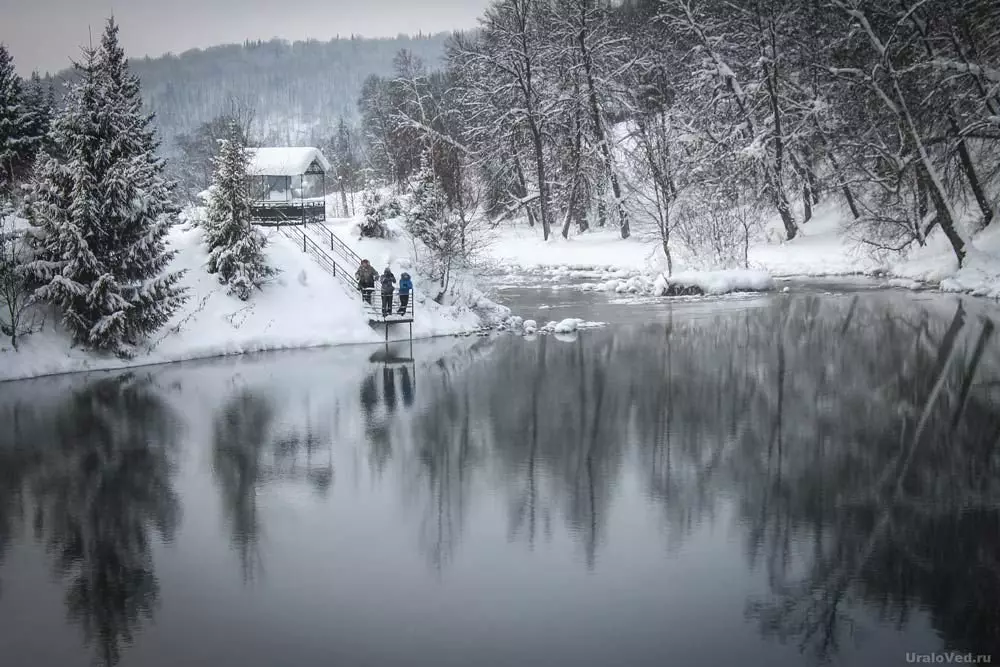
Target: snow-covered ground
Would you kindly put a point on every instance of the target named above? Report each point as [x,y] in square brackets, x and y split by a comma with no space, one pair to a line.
[602,260]
[303,306]
[306,307]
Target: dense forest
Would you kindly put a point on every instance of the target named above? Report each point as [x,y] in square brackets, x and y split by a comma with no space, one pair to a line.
[706,117]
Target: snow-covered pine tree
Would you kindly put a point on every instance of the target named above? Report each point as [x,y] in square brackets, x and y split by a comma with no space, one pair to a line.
[39,103]
[429,221]
[236,247]
[11,120]
[100,210]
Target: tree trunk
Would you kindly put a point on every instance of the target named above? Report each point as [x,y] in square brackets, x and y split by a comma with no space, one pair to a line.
[807,193]
[777,187]
[970,174]
[543,190]
[602,208]
[581,220]
[947,222]
[784,210]
[937,189]
[522,191]
[922,207]
[602,135]
[844,187]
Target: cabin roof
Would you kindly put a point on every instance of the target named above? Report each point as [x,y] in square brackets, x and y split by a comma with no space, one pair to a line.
[285,161]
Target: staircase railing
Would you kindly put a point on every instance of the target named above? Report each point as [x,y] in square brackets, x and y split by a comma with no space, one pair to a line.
[338,247]
[377,302]
[310,247]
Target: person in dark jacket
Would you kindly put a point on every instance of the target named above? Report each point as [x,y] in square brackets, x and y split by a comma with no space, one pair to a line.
[405,287]
[366,276]
[388,287]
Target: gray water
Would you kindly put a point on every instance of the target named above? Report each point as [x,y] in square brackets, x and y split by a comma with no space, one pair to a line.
[796,479]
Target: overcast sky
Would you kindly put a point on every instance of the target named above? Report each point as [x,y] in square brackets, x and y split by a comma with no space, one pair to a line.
[47,34]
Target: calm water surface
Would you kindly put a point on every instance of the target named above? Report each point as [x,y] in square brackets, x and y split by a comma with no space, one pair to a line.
[793,480]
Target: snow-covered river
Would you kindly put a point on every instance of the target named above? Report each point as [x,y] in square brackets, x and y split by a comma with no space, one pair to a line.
[807,476]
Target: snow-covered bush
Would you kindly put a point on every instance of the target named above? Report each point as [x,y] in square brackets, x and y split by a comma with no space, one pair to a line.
[235,245]
[392,207]
[717,233]
[15,292]
[377,210]
[435,228]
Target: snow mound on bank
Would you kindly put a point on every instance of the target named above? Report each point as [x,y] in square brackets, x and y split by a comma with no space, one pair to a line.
[689,282]
[570,325]
[936,263]
[718,282]
[303,306]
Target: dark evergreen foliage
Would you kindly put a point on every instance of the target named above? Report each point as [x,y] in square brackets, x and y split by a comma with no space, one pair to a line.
[100,211]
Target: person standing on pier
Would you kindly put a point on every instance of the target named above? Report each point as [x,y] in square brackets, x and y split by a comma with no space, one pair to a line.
[388,287]
[366,276]
[405,287]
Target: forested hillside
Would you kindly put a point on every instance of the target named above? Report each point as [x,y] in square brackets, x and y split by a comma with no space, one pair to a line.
[296,90]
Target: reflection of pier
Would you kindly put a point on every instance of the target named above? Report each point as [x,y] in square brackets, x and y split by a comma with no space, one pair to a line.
[395,365]
[398,370]
[393,356]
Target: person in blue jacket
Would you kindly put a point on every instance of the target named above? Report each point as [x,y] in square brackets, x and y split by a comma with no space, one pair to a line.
[405,287]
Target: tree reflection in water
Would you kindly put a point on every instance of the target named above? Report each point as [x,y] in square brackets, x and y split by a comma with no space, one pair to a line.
[253,447]
[853,440]
[97,478]
[857,435]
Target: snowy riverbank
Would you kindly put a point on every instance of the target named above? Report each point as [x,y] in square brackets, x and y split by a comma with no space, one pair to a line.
[303,306]
[600,260]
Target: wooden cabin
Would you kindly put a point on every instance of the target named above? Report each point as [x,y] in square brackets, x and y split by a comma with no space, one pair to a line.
[288,185]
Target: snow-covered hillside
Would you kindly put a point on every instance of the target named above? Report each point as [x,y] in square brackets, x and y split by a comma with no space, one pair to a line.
[303,306]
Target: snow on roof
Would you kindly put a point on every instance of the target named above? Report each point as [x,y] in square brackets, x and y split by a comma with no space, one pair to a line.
[287,161]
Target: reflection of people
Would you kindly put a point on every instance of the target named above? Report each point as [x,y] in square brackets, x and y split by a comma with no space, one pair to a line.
[369,394]
[365,276]
[388,285]
[407,387]
[405,285]
[389,388]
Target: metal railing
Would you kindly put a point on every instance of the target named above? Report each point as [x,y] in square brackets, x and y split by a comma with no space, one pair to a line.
[338,247]
[384,307]
[287,212]
[380,302]
[310,247]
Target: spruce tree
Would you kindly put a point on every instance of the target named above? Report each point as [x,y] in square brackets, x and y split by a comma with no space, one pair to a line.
[11,121]
[101,208]
[38,108]
[236,247]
